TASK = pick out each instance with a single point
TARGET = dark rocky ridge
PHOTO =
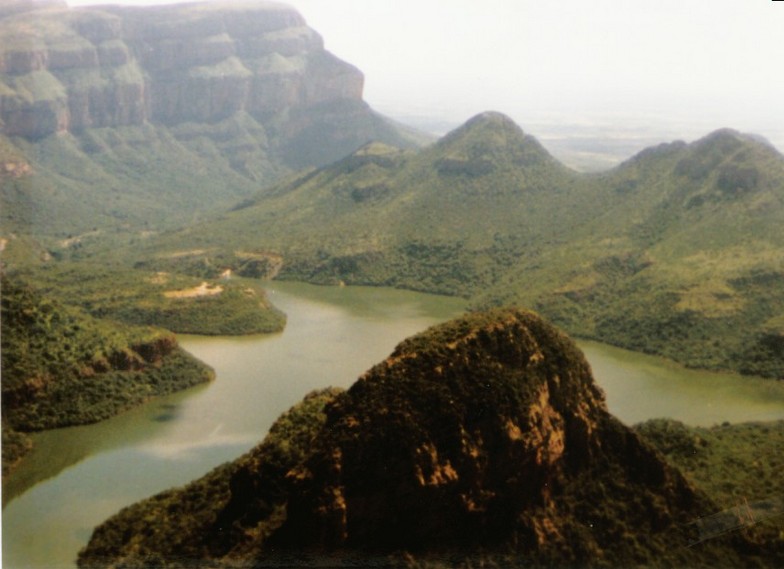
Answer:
(484, 439)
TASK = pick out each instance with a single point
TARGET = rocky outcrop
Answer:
(75, 69)
(474, 435)
(200, 105)
(481, 440)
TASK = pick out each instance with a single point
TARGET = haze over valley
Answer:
(472, 189)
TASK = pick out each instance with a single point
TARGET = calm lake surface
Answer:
(76, 478)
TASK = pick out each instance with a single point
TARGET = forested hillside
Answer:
(62, 367)
(678, 251)
(116, 118)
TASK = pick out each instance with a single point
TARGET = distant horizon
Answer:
(663, 71)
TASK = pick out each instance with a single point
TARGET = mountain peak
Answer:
(478, 435)
(723, 137)
(728, 140)
(482, 421)
(487, 141)
(737, 162)
(493, 118)
(487, 121)
(377, 154)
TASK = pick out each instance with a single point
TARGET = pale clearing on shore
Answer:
(203, 289)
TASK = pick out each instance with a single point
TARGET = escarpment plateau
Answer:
(72, 69)
(245, 90)
(481, 440)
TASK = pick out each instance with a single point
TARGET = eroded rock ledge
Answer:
(71, 69)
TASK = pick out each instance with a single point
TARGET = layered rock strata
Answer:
(72, 69)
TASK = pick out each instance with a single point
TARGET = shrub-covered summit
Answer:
(481, 440)
(678, 251)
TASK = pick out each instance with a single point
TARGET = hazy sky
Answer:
(701, 64)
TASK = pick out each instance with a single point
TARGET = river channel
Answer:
(77, 477)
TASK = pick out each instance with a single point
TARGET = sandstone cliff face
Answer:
(74, 69)
(484, 440)
(149, 117)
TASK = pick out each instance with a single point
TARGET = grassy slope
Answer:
(148, 177)
(732, 463)
(106, 291)
(685, 264)
(676, 252)
(161, 299)
(117, 179)
(443, 220)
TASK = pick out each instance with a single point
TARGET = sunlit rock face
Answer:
(70, 69)
(481, 431)
(221, 99)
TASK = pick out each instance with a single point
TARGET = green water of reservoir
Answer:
(76, 478)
